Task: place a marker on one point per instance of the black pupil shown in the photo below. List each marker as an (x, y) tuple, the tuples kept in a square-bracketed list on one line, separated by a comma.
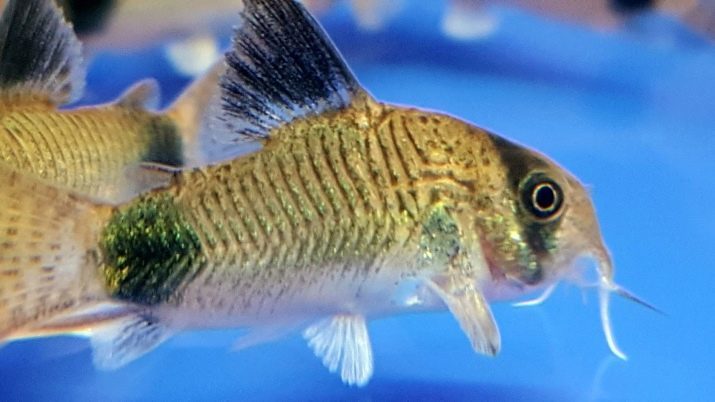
[(545, 197)]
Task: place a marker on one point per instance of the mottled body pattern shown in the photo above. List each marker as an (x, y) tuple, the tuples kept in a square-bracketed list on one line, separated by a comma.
[(308, 205), (332, 202), (45, 265)]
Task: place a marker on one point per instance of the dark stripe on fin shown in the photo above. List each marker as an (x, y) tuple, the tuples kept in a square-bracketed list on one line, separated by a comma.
[(282, 67), (40, 56)]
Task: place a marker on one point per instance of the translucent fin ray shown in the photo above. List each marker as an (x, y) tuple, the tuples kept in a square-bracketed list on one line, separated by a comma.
[(118, 343), (472, 311), (342, 343), (77, 322)]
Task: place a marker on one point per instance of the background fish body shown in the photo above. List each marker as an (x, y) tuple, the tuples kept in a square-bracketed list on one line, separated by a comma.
[(84, 149), (92, 150)]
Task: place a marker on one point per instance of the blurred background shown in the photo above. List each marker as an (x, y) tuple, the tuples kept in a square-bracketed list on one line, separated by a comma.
[(627, 104)]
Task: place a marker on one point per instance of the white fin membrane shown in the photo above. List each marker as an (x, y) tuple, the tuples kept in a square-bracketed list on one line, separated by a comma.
[(122, 341), (342, 343), (473, 314)]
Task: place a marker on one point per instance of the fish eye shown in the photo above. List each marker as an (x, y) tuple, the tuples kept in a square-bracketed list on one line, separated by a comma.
[(542, 196)]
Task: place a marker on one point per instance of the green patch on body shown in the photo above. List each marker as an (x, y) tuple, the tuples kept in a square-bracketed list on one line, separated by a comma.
[(440, 239), (149, 250)]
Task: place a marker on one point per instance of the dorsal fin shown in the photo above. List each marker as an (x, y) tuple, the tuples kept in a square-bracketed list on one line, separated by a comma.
[(281, 67), (192, 112), (145, 94), (40, 56)]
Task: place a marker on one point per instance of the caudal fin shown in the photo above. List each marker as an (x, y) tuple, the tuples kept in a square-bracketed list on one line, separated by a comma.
[(47, 264)]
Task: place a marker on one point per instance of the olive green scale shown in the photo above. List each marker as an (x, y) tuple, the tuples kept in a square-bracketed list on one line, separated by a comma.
[(327, 199)]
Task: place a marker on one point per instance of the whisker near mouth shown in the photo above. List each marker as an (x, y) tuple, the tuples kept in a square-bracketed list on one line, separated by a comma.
[(604, 298), (626, 294)]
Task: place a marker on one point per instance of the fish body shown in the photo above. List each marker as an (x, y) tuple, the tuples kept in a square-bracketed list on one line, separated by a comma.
[(329, 216), (307, 205), (93, 149), (85, 149)]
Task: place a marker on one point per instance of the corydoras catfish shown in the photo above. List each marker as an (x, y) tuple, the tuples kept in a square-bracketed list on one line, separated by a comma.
[(315, 208), (92, 150)]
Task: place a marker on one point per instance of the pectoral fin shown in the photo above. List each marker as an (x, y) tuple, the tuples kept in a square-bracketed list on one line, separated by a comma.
[(342, 342), (472, 311), (124, 340)]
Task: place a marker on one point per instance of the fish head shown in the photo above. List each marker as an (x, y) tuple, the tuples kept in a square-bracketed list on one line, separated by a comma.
[(539, 222), (548, 227)]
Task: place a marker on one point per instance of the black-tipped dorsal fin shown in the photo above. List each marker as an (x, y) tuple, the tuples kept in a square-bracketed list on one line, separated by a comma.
[(281, 67), (40, 56)]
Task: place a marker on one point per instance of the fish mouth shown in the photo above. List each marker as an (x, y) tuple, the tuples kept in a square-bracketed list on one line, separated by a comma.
[(505, 278)]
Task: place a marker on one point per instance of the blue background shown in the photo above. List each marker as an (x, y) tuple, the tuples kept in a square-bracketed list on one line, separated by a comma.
[(631, 116)]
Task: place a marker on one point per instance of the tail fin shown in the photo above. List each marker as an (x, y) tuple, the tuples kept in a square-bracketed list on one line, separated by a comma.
[(47, 266)]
